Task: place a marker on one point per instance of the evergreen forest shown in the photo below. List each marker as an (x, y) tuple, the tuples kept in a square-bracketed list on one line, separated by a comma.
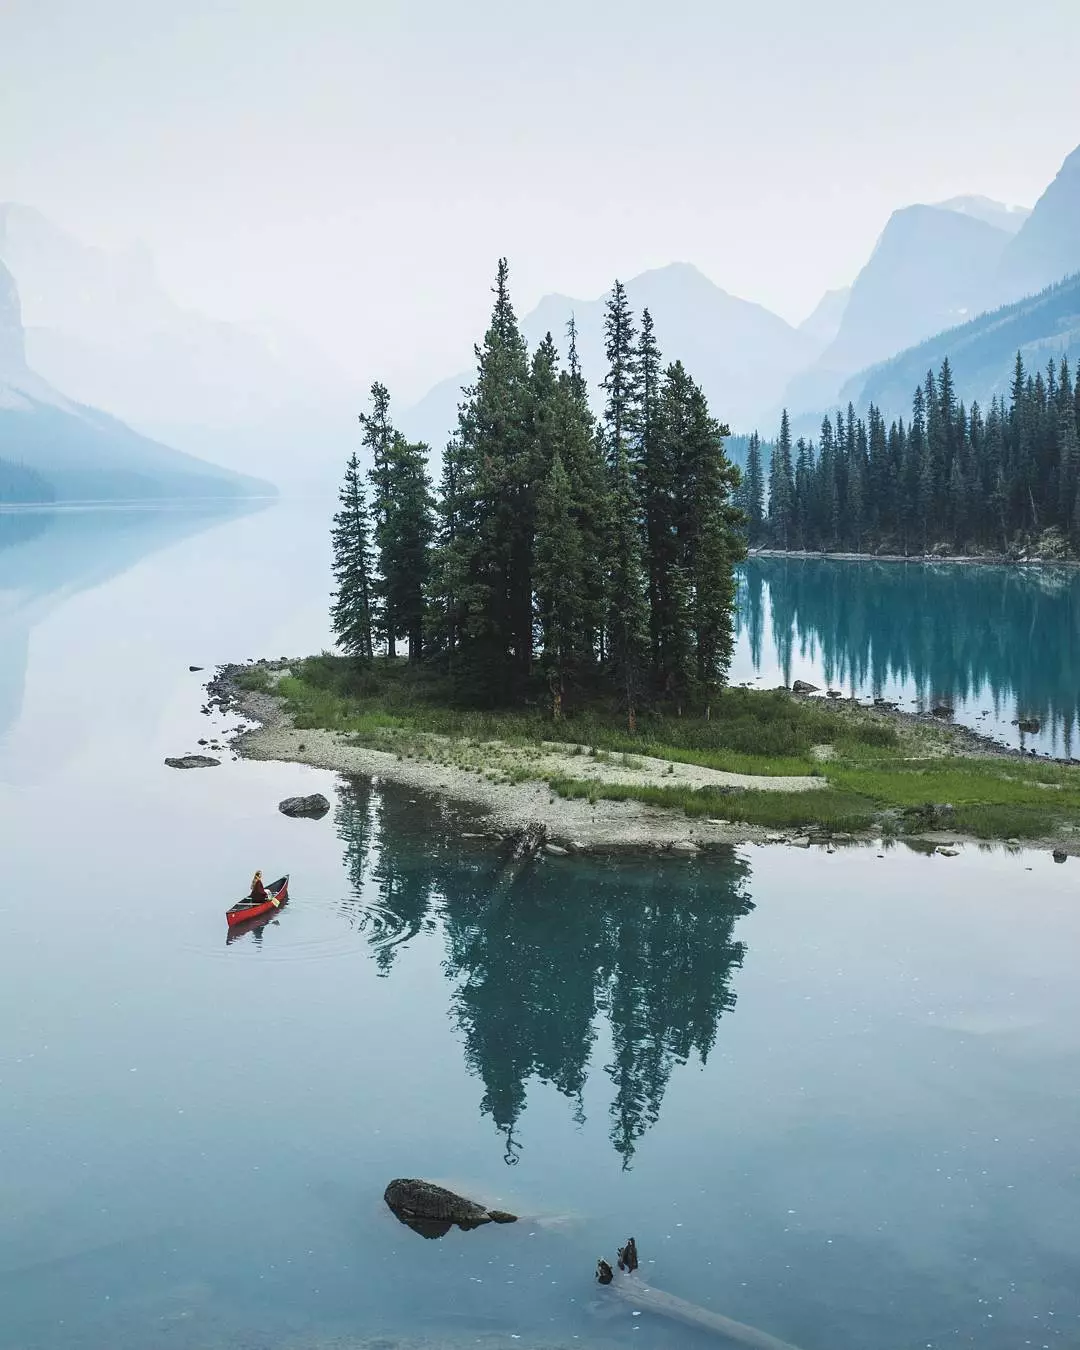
[(562, 557), (948, 481)]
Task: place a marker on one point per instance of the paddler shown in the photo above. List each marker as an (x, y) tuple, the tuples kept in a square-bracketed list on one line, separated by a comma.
[(258, 890)]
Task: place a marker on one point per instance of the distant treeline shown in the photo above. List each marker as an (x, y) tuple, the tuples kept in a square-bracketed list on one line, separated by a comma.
[(948, 481), (563, 556), (21, 484)]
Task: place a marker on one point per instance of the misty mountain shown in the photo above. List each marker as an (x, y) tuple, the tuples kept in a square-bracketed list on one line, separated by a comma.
[(1007, 218), (55, 449), (102, 327), (929, 271), (740, 352), (823, 323), (981, 352), (1047, 247)]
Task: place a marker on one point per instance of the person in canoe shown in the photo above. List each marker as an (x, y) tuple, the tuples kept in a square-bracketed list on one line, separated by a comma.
[(259, 894)]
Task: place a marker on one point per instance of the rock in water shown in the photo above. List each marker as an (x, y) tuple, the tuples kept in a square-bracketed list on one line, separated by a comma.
[(802, 687), (193, 668), (312, 808), (432, 1210), (193, 762)]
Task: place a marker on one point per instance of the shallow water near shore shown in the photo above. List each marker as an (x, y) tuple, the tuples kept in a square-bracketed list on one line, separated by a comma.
[(833, 1096)]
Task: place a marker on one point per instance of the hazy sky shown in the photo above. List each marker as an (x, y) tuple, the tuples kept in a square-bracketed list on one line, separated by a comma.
[(358, 167)]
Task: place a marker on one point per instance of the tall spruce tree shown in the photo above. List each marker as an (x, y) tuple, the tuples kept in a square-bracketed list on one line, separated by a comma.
[(495, 635), (408, 535), (378, 438), (781, 486), (627, 626), (351, 612), (560, 591), (755, 490)]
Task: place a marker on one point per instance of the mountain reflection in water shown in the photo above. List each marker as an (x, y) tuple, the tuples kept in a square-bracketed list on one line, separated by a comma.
[(537, 954)]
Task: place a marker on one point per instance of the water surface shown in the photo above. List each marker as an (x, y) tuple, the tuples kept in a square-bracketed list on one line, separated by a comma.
[(832, 1096), (995, 644)]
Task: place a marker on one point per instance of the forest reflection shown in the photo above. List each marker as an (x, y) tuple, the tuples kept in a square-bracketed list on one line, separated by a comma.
[(539, 955), (1006, 637)]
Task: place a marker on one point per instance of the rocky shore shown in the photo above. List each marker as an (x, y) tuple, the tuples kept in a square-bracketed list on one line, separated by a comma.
[(507, 784), (513, 806)]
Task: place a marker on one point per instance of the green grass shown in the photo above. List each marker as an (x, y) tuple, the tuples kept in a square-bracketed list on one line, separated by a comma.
[(878, 777), (824, 808), (749, 732)]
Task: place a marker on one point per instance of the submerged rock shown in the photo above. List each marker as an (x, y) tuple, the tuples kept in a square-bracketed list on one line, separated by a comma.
[(685, 846), (432, 1210), (311, 808), (193, 762)]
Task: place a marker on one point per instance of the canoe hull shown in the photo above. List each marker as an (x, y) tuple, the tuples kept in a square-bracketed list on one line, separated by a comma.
[(277, 892)]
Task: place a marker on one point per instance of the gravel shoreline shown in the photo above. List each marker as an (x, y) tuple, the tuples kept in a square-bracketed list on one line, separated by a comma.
[(575, 825)]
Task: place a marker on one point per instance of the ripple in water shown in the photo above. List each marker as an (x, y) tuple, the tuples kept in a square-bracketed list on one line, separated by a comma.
[(316, 929)]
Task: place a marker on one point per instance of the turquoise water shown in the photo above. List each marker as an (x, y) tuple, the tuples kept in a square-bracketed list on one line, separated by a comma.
[(833, 1096), (996, 644)]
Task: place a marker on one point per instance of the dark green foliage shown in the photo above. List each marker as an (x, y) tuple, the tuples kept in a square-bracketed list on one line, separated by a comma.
[(352, 609), (404, 528), (562, 560), (949, 481), (559, 582)]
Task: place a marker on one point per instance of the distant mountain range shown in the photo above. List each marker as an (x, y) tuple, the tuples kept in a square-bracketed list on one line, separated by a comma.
[(741, 353), (101, 326), (933, 267), (259, 399), (55, 449), (981, 352)]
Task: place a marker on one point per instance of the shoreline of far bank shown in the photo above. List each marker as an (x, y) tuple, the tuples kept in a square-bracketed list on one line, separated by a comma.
[(516, 790), (957, 559)]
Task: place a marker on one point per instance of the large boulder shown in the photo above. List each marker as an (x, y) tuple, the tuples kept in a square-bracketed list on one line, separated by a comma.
[(432, 1210), (309, 808), (193, 762), (802, 687)]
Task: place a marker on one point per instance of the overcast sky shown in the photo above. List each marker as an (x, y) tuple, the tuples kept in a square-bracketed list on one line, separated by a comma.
[(357, 167)]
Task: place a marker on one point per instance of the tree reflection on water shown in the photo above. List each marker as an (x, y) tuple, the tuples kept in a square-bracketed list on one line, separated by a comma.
[(540, 955)]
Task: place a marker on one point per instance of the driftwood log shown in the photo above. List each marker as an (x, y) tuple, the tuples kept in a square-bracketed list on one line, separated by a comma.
[(632, 1289)]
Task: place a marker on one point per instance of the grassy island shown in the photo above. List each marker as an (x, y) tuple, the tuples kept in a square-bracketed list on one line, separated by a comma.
[(852, 769)]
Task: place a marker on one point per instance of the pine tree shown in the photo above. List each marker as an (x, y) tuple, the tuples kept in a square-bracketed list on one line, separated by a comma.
[(627, 627), (781, 486), (653, 486), (628, 613), (494, 638), (378, 439), (351, 611), (407, 537), (620, 384), (755, 490), (559, 582)]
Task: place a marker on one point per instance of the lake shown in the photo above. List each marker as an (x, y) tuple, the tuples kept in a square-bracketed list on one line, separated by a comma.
[(832, 1096)]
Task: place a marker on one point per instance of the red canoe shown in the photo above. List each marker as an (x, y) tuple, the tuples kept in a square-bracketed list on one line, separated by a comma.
[(277, 893)]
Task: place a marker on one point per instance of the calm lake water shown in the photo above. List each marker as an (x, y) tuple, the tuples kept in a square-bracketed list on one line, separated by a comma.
[(996, 644), (836, 1097)]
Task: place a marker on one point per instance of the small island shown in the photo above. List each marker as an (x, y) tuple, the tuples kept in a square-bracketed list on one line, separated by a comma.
[(566, 601)]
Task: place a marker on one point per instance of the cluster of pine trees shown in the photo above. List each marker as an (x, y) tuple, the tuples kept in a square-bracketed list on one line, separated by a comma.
[(949, 480), (587, 556)]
